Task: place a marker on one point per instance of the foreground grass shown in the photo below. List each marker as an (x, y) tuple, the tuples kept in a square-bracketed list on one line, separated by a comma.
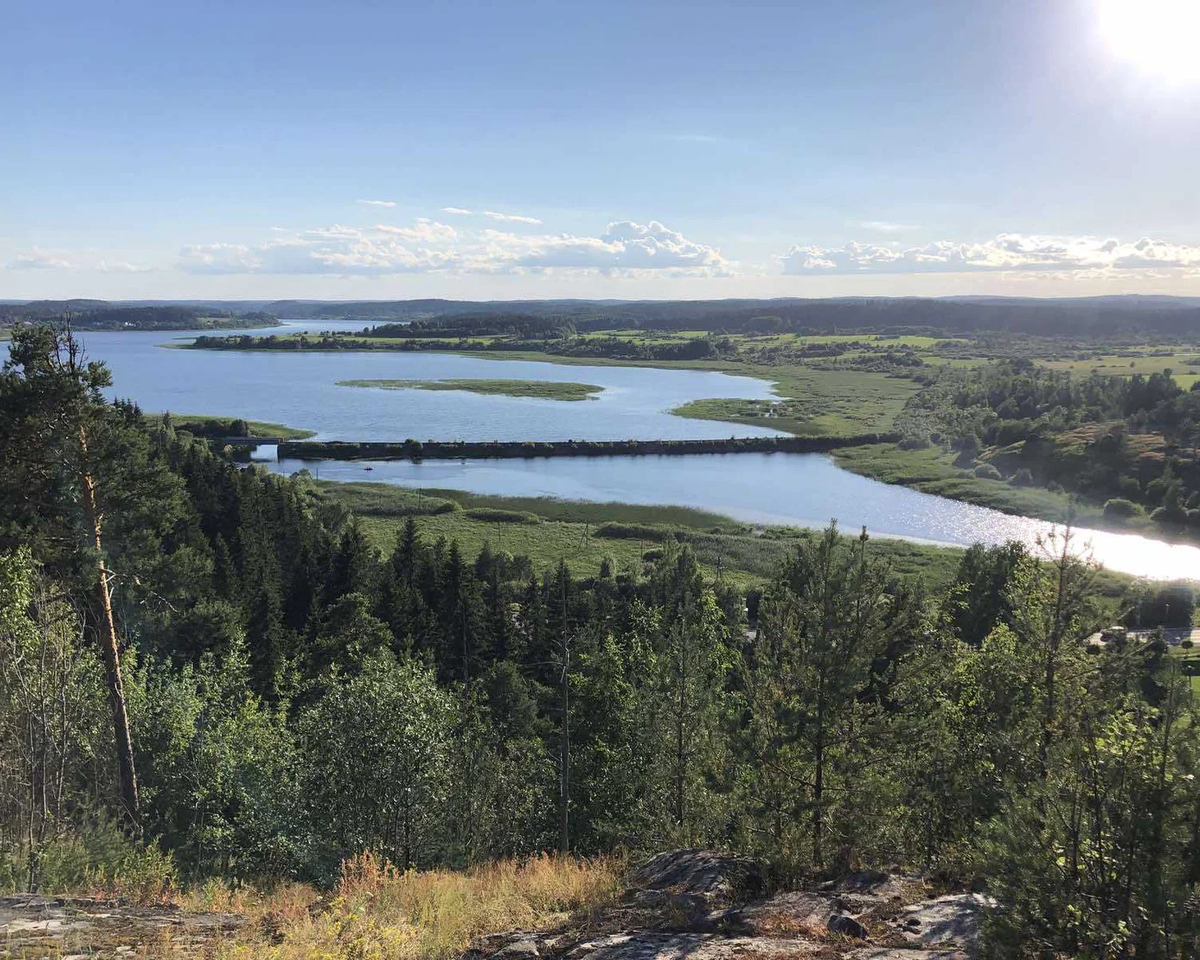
[(379, 911), (540, 389), (583, 534)]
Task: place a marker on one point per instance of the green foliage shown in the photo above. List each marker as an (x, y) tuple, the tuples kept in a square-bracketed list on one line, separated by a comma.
[(379, 781), (303, 690), (1120, 509)]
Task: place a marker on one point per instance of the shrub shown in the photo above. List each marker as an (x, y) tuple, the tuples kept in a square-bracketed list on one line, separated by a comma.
[(1129, 487), (1120, 509), (985, 471), (631, 531), (498, 515), (1169, 515)]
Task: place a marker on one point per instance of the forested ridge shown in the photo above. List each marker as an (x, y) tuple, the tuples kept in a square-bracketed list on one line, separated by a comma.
[(208, 672), (1082, 316), (102, 315)]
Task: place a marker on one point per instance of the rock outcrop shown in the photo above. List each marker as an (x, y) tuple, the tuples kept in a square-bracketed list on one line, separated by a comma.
[(37, 926), (709, 905)]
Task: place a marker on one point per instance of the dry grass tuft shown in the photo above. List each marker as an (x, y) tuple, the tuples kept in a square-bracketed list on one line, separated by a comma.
[(378, 911)]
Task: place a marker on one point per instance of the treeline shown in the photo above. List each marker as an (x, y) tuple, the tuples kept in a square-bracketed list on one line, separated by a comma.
[(230, 671), (1098, 316), (1084, 317), (1128, 442), (99, 315)]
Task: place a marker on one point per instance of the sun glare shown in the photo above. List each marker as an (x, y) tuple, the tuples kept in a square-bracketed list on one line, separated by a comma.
[(1160, 37)]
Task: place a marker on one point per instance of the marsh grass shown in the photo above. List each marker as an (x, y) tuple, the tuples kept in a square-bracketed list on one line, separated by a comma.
[(583, 534), (538, 389)]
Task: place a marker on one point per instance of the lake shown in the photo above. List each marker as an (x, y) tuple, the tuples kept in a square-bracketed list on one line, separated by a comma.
[(797, 489), (300, 390)]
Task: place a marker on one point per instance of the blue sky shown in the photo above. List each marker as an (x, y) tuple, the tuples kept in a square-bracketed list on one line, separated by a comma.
[(651, 149)]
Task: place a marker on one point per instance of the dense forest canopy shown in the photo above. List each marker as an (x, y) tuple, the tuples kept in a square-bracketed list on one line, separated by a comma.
[(208, 671), (1069, 317), (101, 315)]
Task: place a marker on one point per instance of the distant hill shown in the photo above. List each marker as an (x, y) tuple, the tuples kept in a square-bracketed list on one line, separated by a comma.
[(1158, 315), (102, 315), (1177, 316)]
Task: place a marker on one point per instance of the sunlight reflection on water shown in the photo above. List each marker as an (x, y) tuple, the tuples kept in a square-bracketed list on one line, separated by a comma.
[(777, 488)]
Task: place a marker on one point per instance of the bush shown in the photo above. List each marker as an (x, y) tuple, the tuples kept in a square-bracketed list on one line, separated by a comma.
[(631, 531), (1169, 515), (1121, 509), (497, 515), (985, 471), (1129, 487), (1022, 478)]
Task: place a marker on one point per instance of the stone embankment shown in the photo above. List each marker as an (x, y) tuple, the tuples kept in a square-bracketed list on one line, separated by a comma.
[(517, 449)]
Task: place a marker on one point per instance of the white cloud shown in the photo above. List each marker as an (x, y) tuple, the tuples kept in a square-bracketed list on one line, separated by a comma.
[(1007, 252), (886, 226), (423, 229), (428, 246), (378, 203), (625, 247), (341, 251), (492, 215), (120, 266), (510, 217), (38, 259)]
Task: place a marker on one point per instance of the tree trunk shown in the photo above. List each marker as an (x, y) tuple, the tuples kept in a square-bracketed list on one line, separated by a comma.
[(106, 635), (818, 824), (564, 783)]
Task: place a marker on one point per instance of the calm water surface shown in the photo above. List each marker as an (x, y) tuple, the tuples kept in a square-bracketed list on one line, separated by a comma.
[(300, 390), (794, 489), (797, 489)]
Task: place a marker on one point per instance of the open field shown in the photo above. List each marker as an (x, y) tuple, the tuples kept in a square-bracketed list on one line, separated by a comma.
[(813, 402), (540, 389), (1182, 361)]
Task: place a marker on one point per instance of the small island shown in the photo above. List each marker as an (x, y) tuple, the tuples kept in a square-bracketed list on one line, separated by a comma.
[(540, 389)]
